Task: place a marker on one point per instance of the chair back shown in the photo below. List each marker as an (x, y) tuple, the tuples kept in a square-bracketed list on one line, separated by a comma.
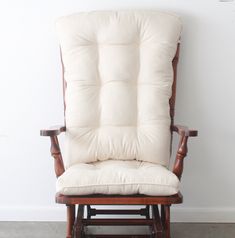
[(119, 80)]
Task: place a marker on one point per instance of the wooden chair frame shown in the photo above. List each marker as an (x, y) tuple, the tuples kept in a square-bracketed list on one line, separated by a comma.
[(158, 221)]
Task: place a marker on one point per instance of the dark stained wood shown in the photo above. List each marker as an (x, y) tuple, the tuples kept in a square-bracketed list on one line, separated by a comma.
[(167, 222), (78, 226), (52, 131), (173, 95), (117, 222), (157, 223), (147, 212), (116, 236), (94, 212), (173, 91), (55, 152), (163, 217), (89, 212), (119, 200), (70, 220), (184, 131), (181, 154)]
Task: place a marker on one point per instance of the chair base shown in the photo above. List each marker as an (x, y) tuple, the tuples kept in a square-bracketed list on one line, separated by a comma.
[(159, 223), (119, 199)]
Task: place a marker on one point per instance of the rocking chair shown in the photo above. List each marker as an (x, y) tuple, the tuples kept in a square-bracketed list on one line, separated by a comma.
[(119, 83)]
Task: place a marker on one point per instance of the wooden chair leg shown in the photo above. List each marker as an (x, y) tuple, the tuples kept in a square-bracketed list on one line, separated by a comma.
[(163, 217), (167, 221), (147, 212), (157, 223), (88, 212), (70, 220), (79, 230)]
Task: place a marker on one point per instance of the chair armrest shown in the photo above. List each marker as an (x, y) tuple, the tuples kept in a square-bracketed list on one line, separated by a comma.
[(52, 131), (182, 151), (184, 131)]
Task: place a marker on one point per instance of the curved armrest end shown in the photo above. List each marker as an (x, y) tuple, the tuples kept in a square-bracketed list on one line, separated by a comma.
[(184, 131), (52, 131)]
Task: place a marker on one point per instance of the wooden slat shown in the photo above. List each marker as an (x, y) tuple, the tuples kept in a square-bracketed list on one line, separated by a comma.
[(117, 222), (114, 236), (94, 212), (119, 200)]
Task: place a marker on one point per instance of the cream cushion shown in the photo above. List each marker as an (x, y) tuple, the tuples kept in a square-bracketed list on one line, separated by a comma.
[(118, 71), (118, 177)]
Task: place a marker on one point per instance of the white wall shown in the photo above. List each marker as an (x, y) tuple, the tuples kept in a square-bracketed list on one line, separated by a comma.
[(31, 98)]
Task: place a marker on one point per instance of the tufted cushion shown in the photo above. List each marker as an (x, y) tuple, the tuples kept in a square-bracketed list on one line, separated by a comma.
[(118, 70), (128, 177)]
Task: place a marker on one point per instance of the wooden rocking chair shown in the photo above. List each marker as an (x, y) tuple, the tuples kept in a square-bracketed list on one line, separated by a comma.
[(119, 81)]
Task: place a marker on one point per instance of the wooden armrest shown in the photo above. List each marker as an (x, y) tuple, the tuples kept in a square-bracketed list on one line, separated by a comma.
[(184, 131), (52, 131)]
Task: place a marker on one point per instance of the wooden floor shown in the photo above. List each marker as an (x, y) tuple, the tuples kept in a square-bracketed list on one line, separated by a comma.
[(57, 230)]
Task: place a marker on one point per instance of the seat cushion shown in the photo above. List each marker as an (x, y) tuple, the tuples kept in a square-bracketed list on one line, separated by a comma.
[(118, 72), (118, 177)]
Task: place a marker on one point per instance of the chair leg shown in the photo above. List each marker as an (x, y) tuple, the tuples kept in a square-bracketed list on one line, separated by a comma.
[(70, 220), (167, 221), (163, 217), (157, 223), (88, 212), (147, 212), (79, 229)]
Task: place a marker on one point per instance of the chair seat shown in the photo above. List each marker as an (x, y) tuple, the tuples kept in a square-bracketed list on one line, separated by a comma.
[(118, 177)]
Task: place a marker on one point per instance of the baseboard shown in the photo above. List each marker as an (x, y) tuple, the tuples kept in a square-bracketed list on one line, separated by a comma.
[(207, 215), (204, 215), (33, 213)]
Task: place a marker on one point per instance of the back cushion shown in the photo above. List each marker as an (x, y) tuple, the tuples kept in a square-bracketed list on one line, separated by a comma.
[(118, 71)]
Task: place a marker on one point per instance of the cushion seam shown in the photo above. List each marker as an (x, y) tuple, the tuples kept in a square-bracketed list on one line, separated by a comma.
[(120, 185)]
